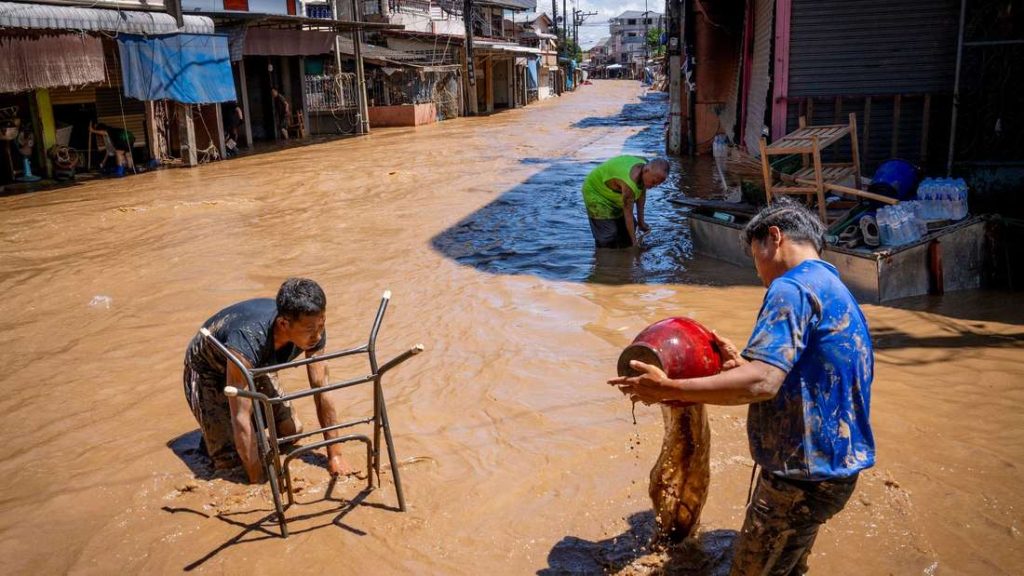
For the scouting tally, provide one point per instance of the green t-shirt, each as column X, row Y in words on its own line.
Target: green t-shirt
column 604, row 203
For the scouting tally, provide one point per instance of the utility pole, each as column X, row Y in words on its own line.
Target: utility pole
column 554, row 16
column 565, row 30
column 647, row 19
column 357, row 40
column 579, row 17
column 467, row 17
column 674, row 143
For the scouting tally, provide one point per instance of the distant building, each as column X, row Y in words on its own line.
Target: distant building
column 628, row 30
column 599, row 54
column 536, row 33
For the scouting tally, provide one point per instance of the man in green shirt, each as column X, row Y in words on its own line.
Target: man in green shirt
column 610, row 192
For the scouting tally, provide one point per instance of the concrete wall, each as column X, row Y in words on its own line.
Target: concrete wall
column 404, row 115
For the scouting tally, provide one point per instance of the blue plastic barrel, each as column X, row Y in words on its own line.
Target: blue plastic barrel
column 896, row 179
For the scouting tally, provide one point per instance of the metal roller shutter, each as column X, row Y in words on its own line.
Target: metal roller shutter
column 872, row 47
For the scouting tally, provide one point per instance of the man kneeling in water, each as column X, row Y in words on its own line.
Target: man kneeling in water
column 261, row 332
column 612, row 189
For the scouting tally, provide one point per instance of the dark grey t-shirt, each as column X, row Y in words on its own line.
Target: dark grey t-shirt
column 247, row 328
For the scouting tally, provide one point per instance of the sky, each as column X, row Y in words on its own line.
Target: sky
column 596, row 27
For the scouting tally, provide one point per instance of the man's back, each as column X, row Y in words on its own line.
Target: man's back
column 246, row 328
column 816, row 427
column 602, row 202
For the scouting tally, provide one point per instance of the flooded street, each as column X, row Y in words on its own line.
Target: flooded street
column 516, row 457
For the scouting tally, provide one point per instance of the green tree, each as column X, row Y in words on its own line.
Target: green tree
column 573, row 51
column 654, row 44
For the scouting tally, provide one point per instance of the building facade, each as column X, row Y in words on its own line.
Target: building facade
column 628, row 31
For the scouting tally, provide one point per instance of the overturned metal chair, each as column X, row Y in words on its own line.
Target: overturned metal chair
column 270, row 445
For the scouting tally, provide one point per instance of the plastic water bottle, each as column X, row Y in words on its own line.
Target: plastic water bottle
column 929, row 201
column 884, row 232
column 906, row 227
column 923, row 195
column 919, row 219
column 962, row 194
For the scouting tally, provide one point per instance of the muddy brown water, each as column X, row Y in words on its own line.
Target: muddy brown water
column 518, row 458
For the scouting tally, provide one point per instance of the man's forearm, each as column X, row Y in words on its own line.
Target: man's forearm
column 627, row 215
column 245, row 443
column 326, row 410
column 745, row 384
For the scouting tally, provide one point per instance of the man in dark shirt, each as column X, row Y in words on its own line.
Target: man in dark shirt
column 260, row 332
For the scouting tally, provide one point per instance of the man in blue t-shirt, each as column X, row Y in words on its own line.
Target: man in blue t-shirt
column 806, row 374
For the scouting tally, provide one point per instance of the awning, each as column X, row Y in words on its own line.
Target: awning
column 59, row 60
column 186, row 68
column 287, row 22
column 42, row 16
column 268, row 42
column 489, row 46
column 382, row 54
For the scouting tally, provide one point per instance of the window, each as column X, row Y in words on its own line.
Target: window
column 631, row 22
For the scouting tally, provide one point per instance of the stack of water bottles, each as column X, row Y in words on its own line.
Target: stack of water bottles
column 901, row 223
column 943, row 198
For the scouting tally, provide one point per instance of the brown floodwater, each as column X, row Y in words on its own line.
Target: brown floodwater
column 516, row 457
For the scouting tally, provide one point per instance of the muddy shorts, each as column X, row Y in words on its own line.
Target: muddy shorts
column 205, row 396
column 610, row 233
column 782, row 522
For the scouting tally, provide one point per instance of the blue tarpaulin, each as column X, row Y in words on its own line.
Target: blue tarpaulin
column 531, row 74
column 186, row 68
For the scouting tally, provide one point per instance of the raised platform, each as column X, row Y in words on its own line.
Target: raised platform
column 872, row 276
column 403, row 115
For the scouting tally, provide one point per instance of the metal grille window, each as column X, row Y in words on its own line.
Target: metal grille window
column 394, row 87
column 330, row 93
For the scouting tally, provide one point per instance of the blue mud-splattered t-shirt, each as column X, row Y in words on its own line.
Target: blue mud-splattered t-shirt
column 817, row 426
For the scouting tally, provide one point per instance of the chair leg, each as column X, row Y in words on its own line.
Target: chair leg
column 855, row 150
column 391, row 454
column 766, row 170
column 819, row 183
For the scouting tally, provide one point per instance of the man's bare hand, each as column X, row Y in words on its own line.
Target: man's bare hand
column 337, row 466
column 731, row 357
column 650, row 387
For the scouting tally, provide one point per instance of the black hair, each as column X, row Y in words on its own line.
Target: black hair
column 792, row 218
column 299, row 297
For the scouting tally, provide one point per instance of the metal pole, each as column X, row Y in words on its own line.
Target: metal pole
column 467, row 17
column 956, row 89
column 554, row 17
column 357, row 40
column 337, row 41
column 565, row 30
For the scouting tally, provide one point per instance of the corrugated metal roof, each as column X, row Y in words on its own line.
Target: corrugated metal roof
column 41, row 16
column 872, row 47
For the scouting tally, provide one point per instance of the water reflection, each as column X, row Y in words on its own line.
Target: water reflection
column 540, row 226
